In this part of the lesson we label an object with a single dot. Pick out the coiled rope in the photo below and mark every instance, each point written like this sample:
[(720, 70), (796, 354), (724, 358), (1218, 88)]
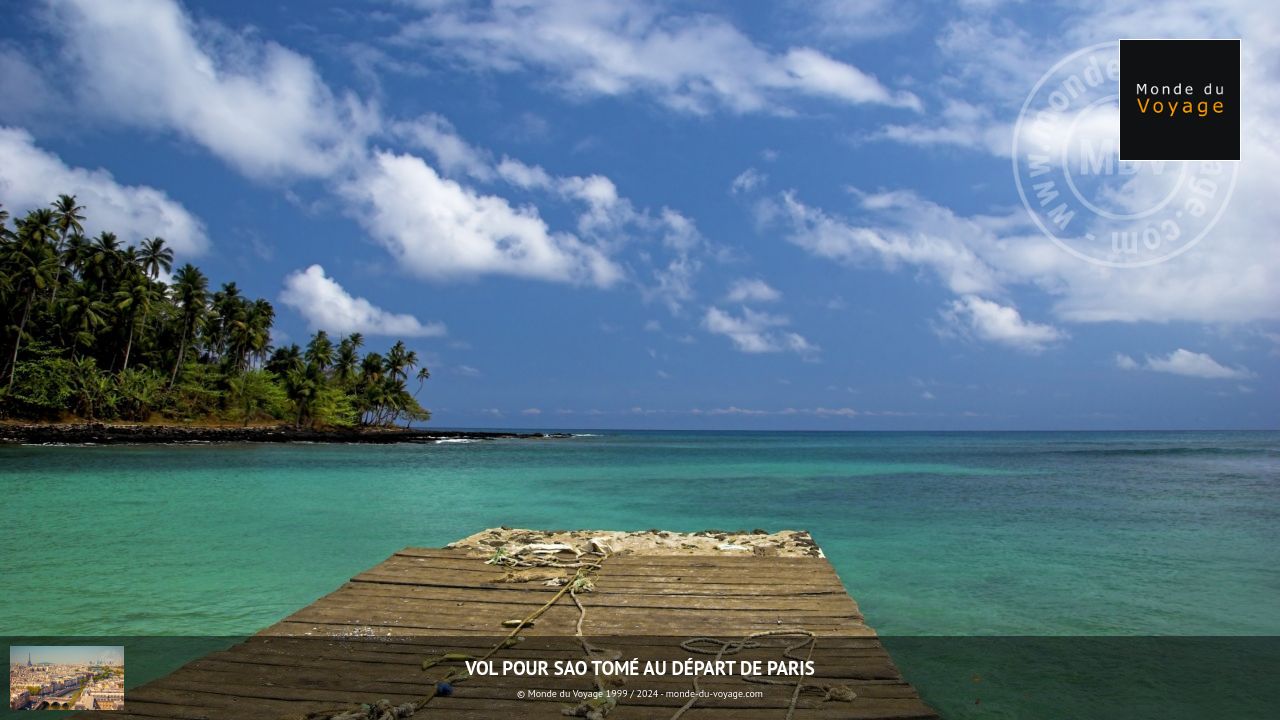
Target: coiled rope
[(721, 648)]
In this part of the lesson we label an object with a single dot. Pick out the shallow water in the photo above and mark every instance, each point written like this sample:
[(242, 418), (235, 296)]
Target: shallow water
[(935, 534)]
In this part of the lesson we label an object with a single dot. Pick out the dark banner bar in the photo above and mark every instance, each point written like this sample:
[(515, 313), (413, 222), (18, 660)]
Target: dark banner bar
[(1090, 678)]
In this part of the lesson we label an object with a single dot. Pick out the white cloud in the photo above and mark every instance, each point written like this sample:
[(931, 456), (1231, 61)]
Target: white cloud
[(26, 94), (259, 106), (454, 155), (853, 20), (747, 180), (925, 236), (993, 63), (612, 222), (731, 410), (326, 305), (751, 290), (692, 63), (440, 229), (531, 411), (987, 320), (1186, 363), (814, 73), (845, 412), (1228, 277), (755, 332), (31, 177), (959, 123), (1125, 362), (266, 110)]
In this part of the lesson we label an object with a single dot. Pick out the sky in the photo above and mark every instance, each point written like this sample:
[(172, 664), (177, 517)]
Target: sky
[(791, 215), (66, 654)]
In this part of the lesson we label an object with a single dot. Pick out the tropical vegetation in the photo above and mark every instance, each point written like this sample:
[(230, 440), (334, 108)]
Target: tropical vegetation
[(97, 329)]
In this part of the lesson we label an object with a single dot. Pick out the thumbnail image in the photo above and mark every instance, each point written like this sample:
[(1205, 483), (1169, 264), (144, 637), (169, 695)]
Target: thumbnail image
[(66, 677)]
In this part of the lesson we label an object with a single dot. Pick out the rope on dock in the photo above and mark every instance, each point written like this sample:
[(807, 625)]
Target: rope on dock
[(842, 693)]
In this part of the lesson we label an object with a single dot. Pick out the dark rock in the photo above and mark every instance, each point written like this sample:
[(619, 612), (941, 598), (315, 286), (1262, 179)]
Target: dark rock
[(101, 434)]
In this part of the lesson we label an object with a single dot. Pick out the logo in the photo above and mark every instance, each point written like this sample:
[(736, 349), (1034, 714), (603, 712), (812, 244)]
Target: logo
[(1101, 209), (1180, 99)]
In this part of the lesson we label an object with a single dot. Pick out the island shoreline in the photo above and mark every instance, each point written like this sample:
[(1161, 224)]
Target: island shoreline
[(148, 434)]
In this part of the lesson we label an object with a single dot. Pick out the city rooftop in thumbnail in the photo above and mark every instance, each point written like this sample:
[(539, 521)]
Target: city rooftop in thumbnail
[(66, 677)]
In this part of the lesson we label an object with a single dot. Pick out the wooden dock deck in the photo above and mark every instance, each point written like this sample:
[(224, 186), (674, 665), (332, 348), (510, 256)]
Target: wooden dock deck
[(367, 640)]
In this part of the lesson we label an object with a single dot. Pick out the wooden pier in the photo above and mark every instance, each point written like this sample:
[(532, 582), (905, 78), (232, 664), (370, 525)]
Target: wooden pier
[(367, 640)]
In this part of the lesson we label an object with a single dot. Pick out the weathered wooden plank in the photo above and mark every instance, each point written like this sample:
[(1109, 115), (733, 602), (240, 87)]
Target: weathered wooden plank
[(366, 640)]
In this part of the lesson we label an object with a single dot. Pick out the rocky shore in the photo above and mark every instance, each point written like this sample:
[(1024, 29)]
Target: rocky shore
[(117, 434)]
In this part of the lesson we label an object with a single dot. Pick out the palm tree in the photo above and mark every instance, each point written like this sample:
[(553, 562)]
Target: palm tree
[(346, 359), (191, 290), (285, 360), (84, 314), (77, 254), (228, 305), (258, 330), (132, 300), (105, 255), (31, 267), (320, 351), (301, 387), (67, 217), (400, 360), (423, 375), (154, 257)]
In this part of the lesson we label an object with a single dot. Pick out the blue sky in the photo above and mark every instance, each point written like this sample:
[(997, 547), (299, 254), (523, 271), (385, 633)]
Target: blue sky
[(65, 654), (688, 215)]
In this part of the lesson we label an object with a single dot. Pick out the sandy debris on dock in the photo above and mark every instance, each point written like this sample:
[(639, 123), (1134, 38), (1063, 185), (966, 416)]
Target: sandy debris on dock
[(785, 543)]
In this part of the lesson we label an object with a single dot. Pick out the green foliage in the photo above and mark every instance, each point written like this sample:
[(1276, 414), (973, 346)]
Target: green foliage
[(86, 327), (333, 408), (256, 395), (93, 391), (138, 393), (41, 387), (198, 392)]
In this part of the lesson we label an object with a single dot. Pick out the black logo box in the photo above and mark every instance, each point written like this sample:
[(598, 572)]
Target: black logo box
[(1187, 68)]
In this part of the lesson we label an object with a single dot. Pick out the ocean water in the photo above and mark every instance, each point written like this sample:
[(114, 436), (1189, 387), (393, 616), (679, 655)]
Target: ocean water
[(959, 547)]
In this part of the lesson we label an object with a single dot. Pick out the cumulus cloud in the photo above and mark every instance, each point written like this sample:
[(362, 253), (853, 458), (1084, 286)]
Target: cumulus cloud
[(327, 306), (988, 320), (611, 222), (31, 177), (258, 106), (1228, 277), (756, 332), (1187, 363), (909, 232), (455, 156), (693, 63), (266, 111), (751, 290), (439, 228)]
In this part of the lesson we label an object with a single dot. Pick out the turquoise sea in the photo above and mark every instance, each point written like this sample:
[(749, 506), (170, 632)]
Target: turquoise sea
[(1025, 541)]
